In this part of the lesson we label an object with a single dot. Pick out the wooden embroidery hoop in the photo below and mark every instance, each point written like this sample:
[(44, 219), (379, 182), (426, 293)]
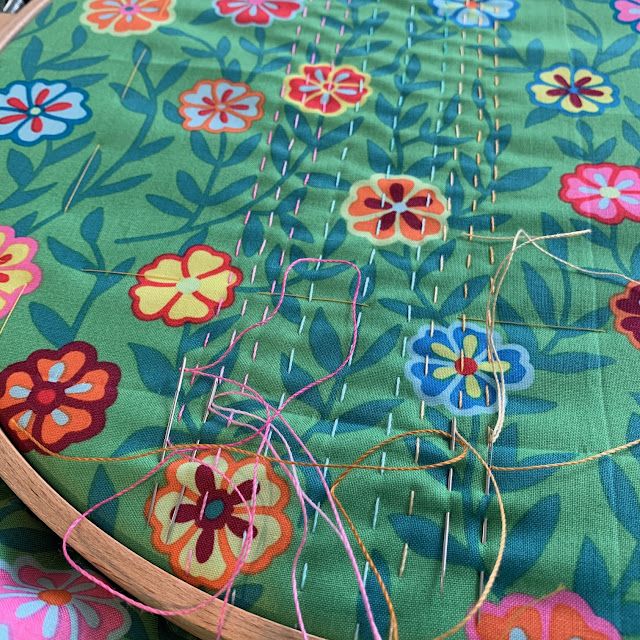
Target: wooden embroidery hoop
[(134, 574), (139, 577), (12, 23)]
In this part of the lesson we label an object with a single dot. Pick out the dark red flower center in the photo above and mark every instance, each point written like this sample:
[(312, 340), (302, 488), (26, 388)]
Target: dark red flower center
[(4, 277), (466, 366), (5, 258)]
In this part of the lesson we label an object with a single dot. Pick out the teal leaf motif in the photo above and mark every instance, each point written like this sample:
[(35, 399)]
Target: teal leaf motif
[(325, 342), (49, 323), (102, 488), (149, 438), (527, 540), (540, 294), (591, 579), (457, 302), (30, 540), (621, 495), (92, 225), (243, 150), (20, 167), (379, 159), (155, 370), (67, 256), (519, 179), (539, 115), (424, 537), (376, 599)]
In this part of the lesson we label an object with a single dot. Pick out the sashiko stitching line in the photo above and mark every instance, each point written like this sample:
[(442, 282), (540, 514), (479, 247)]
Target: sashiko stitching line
[(273, 414), (254, 193), (243, 387)]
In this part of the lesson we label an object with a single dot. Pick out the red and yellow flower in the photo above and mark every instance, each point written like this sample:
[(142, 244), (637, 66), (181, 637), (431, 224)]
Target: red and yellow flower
[(562, 615), (325, 89), (191, 288), (59, 397), (247, 13), (200, 521), (18, 274), (395, 209), (127, 17)]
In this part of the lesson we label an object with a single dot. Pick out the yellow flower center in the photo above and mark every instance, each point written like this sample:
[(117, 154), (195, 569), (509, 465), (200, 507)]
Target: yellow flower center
[(609, 192), (55, 597), (35, 111), (188, 285)]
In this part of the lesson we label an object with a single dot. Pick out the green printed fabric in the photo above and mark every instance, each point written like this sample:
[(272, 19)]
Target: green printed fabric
[(166, 161)]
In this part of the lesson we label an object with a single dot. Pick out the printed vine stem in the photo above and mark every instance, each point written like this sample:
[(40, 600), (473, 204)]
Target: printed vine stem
[(569, 4), (8, 202), (31, 64), (431, 34), (41, 23), (220, 52), (189, 227), (92, 188), (358, 30)]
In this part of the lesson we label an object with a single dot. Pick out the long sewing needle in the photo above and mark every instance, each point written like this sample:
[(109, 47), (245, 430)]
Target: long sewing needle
[(167, 433), (447, 516), (485, 521), (205, 417)]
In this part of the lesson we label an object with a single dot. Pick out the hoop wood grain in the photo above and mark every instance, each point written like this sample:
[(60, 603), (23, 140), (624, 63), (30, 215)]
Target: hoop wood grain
[(134, 574), (12, 23)]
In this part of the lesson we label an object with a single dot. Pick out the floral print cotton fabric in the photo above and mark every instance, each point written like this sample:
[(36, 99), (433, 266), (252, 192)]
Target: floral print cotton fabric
[(166, 161)]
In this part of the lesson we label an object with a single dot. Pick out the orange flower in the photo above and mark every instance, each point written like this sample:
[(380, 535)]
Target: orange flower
[(199, 520), (220, 105), (190, 288), (395, 209), (127, 17), (59, 397)]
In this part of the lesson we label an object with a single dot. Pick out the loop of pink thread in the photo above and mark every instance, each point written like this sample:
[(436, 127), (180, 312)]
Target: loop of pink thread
[(265, 431)]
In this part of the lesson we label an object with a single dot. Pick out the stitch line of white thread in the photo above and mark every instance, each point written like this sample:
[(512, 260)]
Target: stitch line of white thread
[(438, 126)]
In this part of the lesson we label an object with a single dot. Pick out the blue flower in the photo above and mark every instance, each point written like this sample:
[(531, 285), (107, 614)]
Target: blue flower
[(31, 111), (450, 367), (476, 13)]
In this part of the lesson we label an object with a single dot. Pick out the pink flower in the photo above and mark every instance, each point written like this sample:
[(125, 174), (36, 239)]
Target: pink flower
[(561, 614), (628, 11), (261, 12), (607, 192), (18, 274), (57, 604)]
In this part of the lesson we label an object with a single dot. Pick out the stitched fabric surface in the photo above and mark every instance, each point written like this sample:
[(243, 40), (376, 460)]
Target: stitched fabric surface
[(166, 161)]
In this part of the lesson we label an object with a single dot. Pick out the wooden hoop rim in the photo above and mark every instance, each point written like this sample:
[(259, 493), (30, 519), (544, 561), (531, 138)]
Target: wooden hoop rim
[(128, 570), (12, 23)]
